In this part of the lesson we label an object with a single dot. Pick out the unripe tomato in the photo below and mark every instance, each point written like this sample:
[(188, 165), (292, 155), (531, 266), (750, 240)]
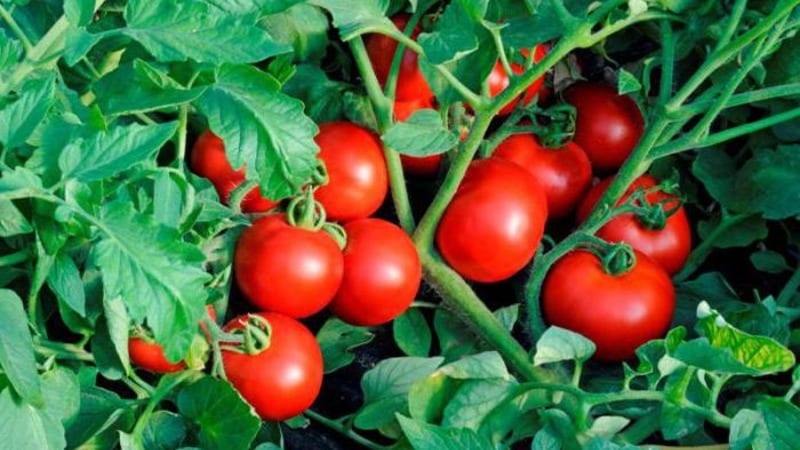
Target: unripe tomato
[(499, 80), (416, 165), (382, 273), (149, 355), (494, 223)]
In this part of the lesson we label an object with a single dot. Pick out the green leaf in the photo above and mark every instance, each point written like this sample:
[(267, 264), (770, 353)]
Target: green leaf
[(260, 7), (100, 415), (559, 344), (106, 154), (474, 401), (337, 339), (19, 179), (10, 54), (428, 397), (717, 171), (740, 234), (769, 261), (485, 365), (678, 6), (354, 18), (79, 12), (25, 427), (164, 431), (118, 323), (781, 419), (304, 27), (783, 66), (324, 98), (65, 281), (212, 35), (453, 34), (169, 206), (263, 129), (16, 350), (508, 316), (62, 393), (138, 255), (106, 357), (748, 430), (226, 421), (770, 183), (12, 222), (527, 31), (423, 436), (422, 134), (19, 119), (412, 334), (386, 388), (627, 82), (607, 427)]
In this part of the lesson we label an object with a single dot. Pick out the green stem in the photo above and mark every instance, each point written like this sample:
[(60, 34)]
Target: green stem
[(180, 137), (667, 62), (789, 289), (745, 98), (158, 395), (641, 429), (16, 29), (733, 23), (701, 252), (344, 430), (15, 258), (61, 350), (390, 88)]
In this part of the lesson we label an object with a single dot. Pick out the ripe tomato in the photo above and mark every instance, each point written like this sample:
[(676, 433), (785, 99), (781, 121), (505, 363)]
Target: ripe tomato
[(150, 356), (668, 246), (411, 83), (416, 165), (208, 160), (494, 223), (618, 313), (607, 125), (564, 173), (286, 269), (283, 380), (382, 273), (498, 80), (358, 180)]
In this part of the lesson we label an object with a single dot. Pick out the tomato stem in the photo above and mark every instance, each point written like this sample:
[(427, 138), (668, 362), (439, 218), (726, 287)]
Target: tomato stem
[(701, 252), (16, 29), (344, 430), (619, 259)]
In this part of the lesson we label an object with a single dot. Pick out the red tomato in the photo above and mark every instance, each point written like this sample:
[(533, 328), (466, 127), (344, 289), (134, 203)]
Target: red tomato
[(411, 83), (283, 380), (618, 313), (494, 223), (416, 165), (498, 81), (358, 180), (286, 269), (208, 160), (668, 246), (564, 173), (382, 273), (150, 356), (607, 125)]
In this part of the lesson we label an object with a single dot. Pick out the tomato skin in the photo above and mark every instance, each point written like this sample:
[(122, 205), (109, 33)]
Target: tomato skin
[(607, 125), (150, 356), (669, 246), (618, 313), (283, 380), (498, 80), (208, 160), (416, 165), (382, 273), (358, 179), (411, 83), (565, 173), (493, 225), (285, 269)]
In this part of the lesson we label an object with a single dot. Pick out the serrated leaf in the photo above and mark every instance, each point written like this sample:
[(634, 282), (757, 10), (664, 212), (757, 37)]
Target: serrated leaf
[(19, 119), (485, 365), (423, 134), (10, 54), (211, 36), (412, 333), (423, 436), (101, 413), (12, 222), (627, 82), (453, 35), (164, 431), (263, 129), (25, 427), (559, 344), (304, 27), (781, 419), (226, 421), (106, 154), (16, 351), (474, 401), (259, 7), (748, 430), (717, 171), (118, 323), (354, 18), (64, 279), (61, 393), (770, 183), (337, 339), (742, 233), (79, 12), (19, 179)]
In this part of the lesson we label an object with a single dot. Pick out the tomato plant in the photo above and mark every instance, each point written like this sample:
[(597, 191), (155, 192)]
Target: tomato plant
[(499, 80), (416, 165)]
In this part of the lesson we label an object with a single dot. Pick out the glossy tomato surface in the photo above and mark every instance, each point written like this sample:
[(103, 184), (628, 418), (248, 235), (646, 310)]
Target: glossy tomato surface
[(358, 180), (411, 83), (283, 380), (668, 246), (494, 224), (607, 125), (564, 173), (498, 81), (416, 165), (382, 273), (618, 313), (286, 269), (208, 160), (150, 356)]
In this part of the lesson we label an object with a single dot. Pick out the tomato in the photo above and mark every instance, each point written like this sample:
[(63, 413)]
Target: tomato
[(286, 269), (283, 380), (668, 246), (607, 125), (149, 355), (564, 173), (617, 312), (494, 223), (416, 165), (411, 83), (499, 81), (358, 180), (382, 273), (208, 160)]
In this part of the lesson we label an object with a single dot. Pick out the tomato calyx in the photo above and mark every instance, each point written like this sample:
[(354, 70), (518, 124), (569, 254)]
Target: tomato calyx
[(618, 259), (303, 211), (653, 216), (560, 128), (253, 338)]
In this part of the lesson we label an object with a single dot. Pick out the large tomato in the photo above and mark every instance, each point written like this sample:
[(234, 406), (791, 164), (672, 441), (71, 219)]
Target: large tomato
[(358, 180), (564, 173), (669, 245), (286, 269), (617, 312), (283, 380), (494, 223), (208, 160), (149, 355), (411, 83), (499, 81), (607, 125), (416, 165), (382, 273)]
